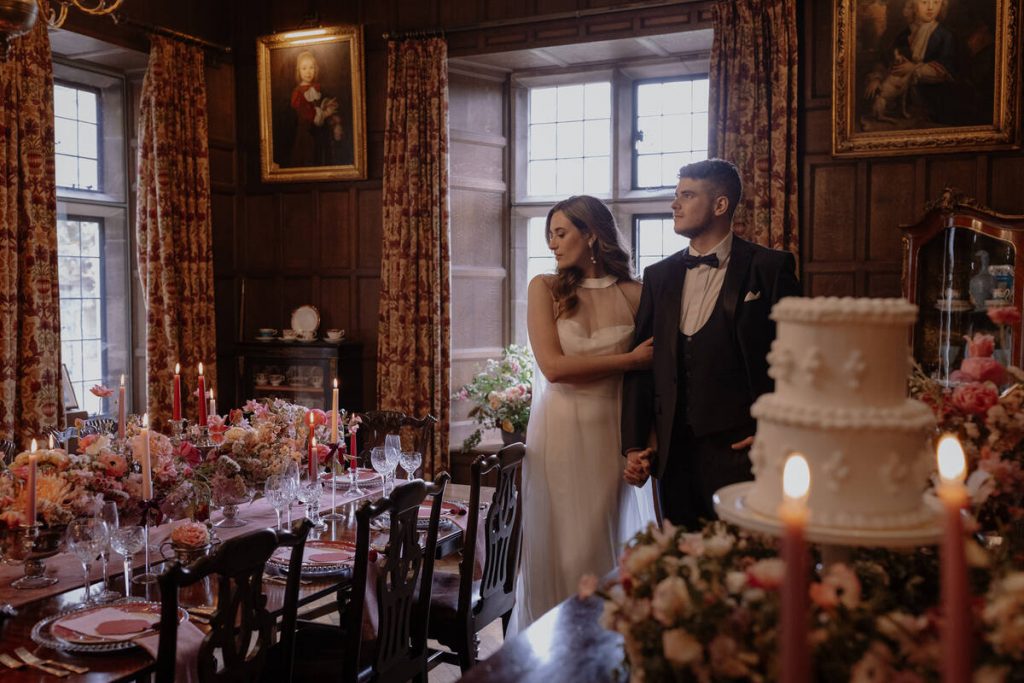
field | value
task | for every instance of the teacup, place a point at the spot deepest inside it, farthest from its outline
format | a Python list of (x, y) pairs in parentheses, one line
[(266, 332), (261, 378), (276, 380), (307, 334), (289, 333), (316, 381), (335, 334)]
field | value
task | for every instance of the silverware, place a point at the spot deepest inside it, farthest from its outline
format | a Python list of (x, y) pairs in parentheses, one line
[(9, 661), (32, 659), (37, 663)]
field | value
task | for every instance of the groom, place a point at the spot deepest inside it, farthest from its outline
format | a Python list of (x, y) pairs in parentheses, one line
[(707, 308)]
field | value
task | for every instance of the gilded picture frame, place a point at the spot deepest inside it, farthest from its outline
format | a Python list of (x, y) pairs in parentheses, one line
[(926, 76), (312, 105)]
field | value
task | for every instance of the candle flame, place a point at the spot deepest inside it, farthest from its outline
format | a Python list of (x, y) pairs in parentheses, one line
[(950, 454), (200, 368), (51, 442), (122, 380), (35, 446), (796, 477), (177, 368), (311, 418), (145, 420), (335, 382), (211, 394)]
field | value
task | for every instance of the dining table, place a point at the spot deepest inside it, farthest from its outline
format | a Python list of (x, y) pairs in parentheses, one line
[(35, 605)]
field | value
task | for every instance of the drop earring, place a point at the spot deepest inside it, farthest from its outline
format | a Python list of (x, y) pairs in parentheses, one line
[(592, 259)]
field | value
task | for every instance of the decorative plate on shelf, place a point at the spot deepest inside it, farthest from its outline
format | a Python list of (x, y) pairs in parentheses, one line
[(305, 318)]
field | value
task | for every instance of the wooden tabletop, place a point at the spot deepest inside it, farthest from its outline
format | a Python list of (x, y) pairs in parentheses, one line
[(567, 645), (127, 665)]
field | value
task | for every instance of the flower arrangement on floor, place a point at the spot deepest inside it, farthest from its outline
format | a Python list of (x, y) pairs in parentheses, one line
[(501, 394), (706, 607)]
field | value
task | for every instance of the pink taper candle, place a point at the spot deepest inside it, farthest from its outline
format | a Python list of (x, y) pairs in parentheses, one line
[(957, 630), (796, 657), (334, 412), (120, 411), (30, 511), (176, 405), (202, 397), (312, 448)]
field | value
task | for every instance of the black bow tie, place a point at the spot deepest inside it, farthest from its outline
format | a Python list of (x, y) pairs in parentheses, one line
[(691, 261)]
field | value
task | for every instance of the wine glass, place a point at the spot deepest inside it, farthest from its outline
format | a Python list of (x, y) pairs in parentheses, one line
[(85, 537), (276, 493), (392, 453), (309, 492), (379, 460), (410, 461), (291, 484), (107, 513), (127, 541)]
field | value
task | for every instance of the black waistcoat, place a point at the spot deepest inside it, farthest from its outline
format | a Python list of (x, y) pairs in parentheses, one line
[(714, 393)]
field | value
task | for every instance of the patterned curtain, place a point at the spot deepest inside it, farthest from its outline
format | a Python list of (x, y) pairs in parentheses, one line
[(753, 113), (414, 343), (29, 291), (173, 222)]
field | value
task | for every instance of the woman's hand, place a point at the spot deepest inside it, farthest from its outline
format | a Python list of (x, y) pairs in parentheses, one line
[(642, 356)]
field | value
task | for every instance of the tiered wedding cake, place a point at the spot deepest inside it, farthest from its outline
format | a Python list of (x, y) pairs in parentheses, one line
[(840, 368)]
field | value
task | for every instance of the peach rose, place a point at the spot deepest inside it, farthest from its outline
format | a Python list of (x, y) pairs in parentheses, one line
[(1004, 315), (975, 398), (982, 369), (980, 345), (190, 534)]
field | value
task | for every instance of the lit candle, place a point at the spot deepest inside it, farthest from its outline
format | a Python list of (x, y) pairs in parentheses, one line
[(312, 448), (30, 512), (51, 442), (956, 631), (334, 413), (202, 397), (213, 404), (120, 411), (147, 467), (796, 484), (176, 405)]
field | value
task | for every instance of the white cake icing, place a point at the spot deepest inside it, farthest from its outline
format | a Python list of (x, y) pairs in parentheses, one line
[(840, 368)]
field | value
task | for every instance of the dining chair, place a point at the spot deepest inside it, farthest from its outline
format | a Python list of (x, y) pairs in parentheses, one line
[(399, 593), (241, 628), (462, 606), (8, 449), (417, 433)]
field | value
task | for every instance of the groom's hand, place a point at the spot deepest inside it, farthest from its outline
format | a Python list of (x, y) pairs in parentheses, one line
[(638, 466)]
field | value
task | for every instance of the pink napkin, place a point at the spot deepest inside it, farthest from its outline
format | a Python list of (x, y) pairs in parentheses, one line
[(107, 621), (186, 665)]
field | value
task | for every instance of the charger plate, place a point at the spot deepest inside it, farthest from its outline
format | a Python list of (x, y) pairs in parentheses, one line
[(49, 632)]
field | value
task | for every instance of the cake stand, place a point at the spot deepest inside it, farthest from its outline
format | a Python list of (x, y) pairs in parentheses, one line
[(730, 504)]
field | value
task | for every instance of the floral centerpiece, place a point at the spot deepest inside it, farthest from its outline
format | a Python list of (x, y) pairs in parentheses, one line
[(706, 607), (501, 394)]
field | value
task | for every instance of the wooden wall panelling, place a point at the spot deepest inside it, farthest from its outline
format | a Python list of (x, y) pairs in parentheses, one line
[(830, 284), (833, 213), (336, 231), (960, 172), (1006, 182), (890, 204), (299, 228)]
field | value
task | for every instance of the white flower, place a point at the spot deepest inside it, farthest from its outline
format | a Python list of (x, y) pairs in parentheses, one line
[(639, 558), (767, 573), (680, 648), (670, 600), (719, 544), (735, 582), (98, 445)]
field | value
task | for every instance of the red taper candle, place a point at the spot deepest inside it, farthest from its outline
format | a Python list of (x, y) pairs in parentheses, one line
[(796, 656), (957, 631)]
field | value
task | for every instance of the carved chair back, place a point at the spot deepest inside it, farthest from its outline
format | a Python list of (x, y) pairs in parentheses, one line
[(417, 433), (402, 583), (8, 449), (241, 632)]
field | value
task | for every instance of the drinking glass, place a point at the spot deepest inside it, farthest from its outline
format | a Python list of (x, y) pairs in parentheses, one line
[(108, 513), (309, 492), (334, 515), (127, 541), (379, 460), (85, 537), (410, 461), (276, 493), (291, 485), (392, 453)]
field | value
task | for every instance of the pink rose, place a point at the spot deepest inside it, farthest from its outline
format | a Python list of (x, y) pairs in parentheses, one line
[(975, 398), (982, 369), (189, 453), (101, 391), (190, 534), (981, 345), (322, 451), (1004, 315)]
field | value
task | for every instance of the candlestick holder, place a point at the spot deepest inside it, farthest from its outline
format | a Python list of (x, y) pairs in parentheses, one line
[(332, 458), (353, 471), (178, 430), (201, 438), (33, 543), (147, 576)]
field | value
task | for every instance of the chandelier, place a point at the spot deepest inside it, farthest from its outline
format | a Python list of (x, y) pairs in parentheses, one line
[(17, 17)]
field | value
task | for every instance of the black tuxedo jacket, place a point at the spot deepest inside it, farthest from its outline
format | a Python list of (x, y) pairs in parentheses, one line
[(755, 279)]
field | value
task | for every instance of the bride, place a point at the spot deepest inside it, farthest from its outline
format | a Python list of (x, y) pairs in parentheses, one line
[(577, 511)]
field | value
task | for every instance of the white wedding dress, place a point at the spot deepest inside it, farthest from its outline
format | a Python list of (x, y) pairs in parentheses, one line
[(578, 512)]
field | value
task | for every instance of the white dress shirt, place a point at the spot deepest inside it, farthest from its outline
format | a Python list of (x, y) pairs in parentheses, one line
[(701, 288)]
